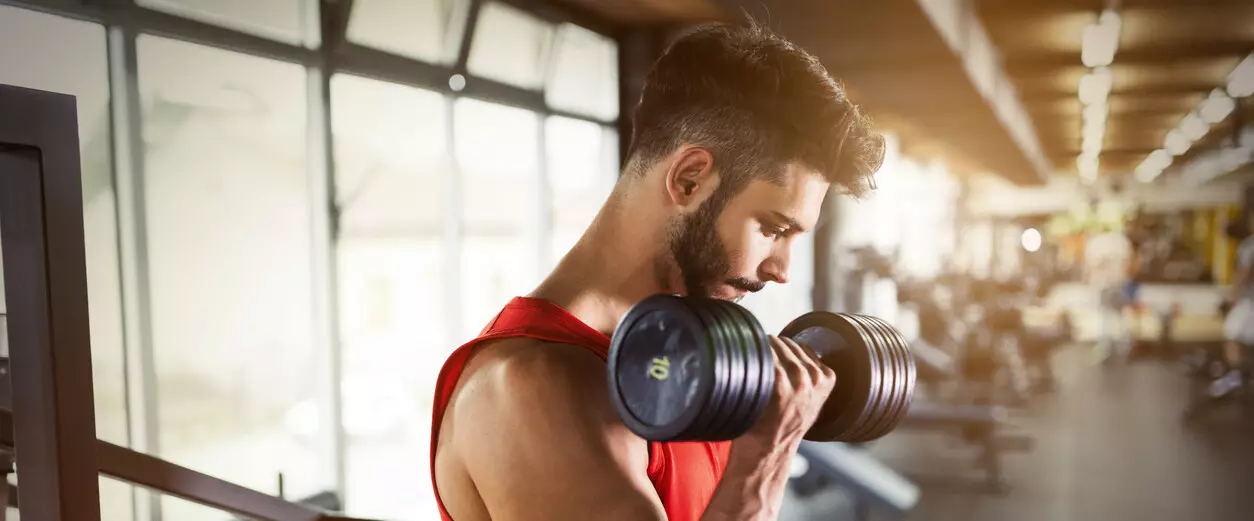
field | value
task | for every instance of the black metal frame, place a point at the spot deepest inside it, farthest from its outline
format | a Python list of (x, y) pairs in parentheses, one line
[(41, 213), (53, 414)]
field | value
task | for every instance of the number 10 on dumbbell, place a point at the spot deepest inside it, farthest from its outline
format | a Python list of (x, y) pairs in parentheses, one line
[(694, 369)]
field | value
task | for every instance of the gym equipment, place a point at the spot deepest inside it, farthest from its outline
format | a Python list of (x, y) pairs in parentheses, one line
[(870, 482), (688, 369)]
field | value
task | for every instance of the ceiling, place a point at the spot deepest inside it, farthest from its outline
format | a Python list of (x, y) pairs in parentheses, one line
[(1171, 54)]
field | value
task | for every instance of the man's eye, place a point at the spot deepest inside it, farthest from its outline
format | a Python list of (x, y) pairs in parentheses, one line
[(774, 231)]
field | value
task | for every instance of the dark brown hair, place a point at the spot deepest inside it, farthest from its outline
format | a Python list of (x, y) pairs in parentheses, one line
[(758, 102)]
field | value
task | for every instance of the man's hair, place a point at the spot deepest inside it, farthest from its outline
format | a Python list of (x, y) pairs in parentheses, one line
[(758, 102)]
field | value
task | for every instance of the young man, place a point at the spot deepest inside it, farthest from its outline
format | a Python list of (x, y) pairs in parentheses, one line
[(738, 137), (1239, 323)]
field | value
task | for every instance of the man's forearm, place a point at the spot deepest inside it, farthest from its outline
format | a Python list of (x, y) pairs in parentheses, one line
[(751, 488)]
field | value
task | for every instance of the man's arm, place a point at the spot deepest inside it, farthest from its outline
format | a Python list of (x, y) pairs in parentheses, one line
[(540, 440), (535, 430)]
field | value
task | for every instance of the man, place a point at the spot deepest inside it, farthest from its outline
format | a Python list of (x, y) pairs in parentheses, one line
[(738, 137), (1109, 256), (1239, 322)]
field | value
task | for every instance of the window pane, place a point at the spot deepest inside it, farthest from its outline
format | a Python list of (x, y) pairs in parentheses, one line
[(510, 46), (414, 28), (390, 145), (582, 161), (498, 156), (229, 253), (79, 50), (585, 74), (283, 20)]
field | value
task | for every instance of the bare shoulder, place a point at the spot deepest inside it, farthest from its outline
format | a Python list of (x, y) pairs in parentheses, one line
[(524, 376)]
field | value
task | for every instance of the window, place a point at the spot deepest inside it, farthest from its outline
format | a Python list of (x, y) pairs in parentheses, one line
[(585, 74), (582, 162), (391, 164), (415, 28), (510, 46), (285, 20), (79, 50), (229, 255), (497, 151)]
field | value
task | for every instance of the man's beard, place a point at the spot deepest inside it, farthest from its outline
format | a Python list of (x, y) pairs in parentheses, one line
[(701, 256)]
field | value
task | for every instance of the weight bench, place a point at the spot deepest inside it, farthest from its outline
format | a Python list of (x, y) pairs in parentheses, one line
[(982, 426), (869, 481)]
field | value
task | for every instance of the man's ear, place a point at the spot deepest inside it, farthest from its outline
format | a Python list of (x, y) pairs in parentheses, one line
[(691, 178)]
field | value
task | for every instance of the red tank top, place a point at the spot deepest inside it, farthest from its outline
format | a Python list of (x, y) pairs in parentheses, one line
[(684, 474)]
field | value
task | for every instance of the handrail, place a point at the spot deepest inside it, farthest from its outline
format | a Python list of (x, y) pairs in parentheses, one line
[(174, 480)]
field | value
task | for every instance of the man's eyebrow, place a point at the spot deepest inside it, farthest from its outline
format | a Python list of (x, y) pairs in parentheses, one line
[(792, 223)]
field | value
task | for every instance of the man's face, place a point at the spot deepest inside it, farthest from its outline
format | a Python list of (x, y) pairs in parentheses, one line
[(727, 250)]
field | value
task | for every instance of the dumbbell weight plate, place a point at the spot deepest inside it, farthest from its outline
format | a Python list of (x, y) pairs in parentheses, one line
[(721, 408), (844, 347), (905, 394), (740, 325), (878, 345), (662, 370), (899, 380), (759, 348)]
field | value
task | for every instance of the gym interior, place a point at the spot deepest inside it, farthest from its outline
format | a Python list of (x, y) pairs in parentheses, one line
[(293, 211)]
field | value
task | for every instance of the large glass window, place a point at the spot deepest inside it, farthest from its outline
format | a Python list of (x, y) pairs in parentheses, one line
[(391, 160), (284, 20), (498, 156), (582, 162), (414, 28), (230, 269), (585, 73), (510, 46), (79, 50)]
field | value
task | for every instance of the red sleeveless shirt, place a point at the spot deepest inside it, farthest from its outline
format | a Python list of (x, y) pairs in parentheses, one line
[(684, 474)]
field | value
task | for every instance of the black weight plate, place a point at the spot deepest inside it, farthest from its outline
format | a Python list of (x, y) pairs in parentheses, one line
[(912, 374), (659, 371), (896, 379), (832, 336), (739, 361), (716, 413), (742, 338), (901, 391), (761, 369), (877, 407), (904, 378)]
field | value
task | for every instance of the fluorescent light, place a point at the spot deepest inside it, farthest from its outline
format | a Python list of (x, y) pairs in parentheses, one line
[(1150, 168), (1160, 158), (1241, 81), (1193, 127), (1101, 40), (1095, 86), (1177, 143), (1087, 165), (1217, 107)]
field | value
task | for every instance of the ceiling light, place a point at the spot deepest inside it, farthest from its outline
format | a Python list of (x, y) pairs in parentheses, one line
[(1095, 86), (1193, 127), (1101, 40), (1241, 81), (1217, 107), (1177, 143), (1087, 165), (1160, 159)]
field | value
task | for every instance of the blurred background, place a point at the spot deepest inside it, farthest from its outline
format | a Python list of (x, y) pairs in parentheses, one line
[(296, 209)]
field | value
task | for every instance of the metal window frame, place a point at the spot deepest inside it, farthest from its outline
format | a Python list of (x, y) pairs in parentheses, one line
[(41, 212), (124, 21)]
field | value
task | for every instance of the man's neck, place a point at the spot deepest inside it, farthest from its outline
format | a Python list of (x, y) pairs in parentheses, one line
[(612, 267)]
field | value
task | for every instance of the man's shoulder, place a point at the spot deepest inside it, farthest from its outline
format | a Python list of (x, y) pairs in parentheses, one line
[(523, 371)]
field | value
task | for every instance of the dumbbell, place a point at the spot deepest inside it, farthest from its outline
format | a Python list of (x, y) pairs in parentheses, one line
[(697, 369)]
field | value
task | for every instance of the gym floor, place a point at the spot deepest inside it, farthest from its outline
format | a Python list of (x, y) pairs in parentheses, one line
[(1110, 446)]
